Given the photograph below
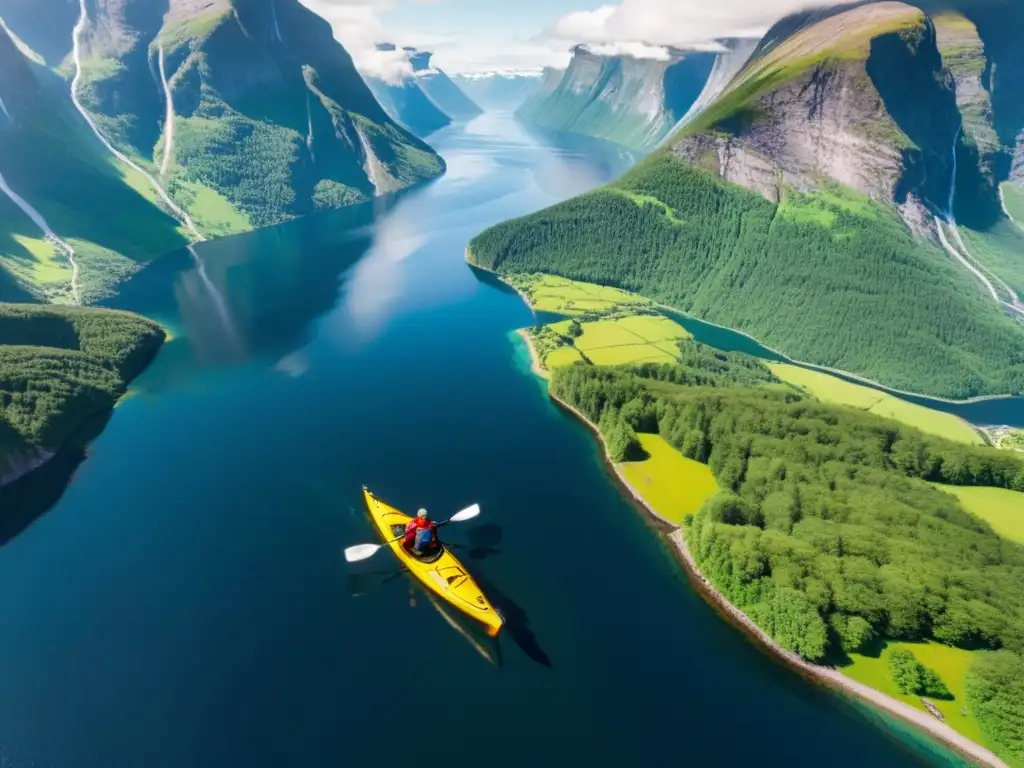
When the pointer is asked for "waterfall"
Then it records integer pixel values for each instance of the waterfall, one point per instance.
(76, 52)
(371, 162)
(48, 233)
(952, 184)
(169, 114)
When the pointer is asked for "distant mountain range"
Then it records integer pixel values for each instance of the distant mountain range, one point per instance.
(499, 90)
(191, 119)
(424, 100)
(630, 101)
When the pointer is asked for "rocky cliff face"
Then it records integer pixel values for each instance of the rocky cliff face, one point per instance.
(550, 78)
(440, 88)
(634, 102)
(859, 98)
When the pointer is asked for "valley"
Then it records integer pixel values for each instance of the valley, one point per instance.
(794, 327)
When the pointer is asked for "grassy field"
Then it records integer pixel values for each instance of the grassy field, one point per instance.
(617, 341)
(1000, 508)
(569, 297)
(831, 389)
(671, 483)
(951, 665)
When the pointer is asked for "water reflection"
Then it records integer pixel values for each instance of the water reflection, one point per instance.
(255, 296)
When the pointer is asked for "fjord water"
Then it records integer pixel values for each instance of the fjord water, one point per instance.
(186, 602)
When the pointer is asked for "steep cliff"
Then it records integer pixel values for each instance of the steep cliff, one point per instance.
(406, 103)
(448, 97)
(630, 101)
(550, 78)
(499, 90)
(244, 113)
(859, 98)
(801, 206)
(58, 241)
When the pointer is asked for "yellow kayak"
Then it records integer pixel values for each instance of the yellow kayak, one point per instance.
(443, 574)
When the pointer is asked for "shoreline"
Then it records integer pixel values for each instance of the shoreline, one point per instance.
(825, 676)
(785, 358)
(828, 677)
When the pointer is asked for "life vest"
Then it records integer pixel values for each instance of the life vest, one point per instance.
(424, 539)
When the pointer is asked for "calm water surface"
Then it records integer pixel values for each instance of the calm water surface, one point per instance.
(186, 602)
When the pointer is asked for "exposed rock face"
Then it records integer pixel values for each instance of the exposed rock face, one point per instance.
(549, 80)
(634, 102)
(873, 111)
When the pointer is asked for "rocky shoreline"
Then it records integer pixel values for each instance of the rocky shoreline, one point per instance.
(827, 676)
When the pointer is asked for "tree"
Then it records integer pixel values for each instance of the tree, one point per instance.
(905, 671)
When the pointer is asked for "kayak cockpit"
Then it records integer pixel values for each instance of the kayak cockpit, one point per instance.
(429, 557)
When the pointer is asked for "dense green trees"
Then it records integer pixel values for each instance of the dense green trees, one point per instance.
(827, 277)
(824, 532)
(995, 693)
(61, 366)
(913, 677)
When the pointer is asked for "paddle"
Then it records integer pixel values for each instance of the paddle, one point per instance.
(366, 551)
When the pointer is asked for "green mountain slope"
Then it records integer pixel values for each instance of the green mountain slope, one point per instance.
(60, 368)
(789, 208)
(245, 112)
(55, 165)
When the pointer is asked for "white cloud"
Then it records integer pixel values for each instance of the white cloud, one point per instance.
(682, 23)
(357, 27)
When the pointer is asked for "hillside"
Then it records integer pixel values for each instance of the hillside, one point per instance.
(60, 368)
(630, 101)
(498, 90)
(406, 103)
(440, 89)
(234, 113)
(60, 183)
(788, 209)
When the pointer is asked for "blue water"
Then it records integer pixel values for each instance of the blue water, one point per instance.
(185, 601)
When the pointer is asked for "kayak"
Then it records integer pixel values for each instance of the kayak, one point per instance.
(442, 574)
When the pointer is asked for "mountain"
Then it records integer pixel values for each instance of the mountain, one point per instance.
(630, 101)
(550, 77)
(58, 241)
(448, 97)
(227, 114)
(805, 205)
(406, 103)
(498, 90)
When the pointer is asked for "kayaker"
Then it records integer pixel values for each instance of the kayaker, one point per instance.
(421, 535)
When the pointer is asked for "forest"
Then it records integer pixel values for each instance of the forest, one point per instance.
(827, 277)
(59, 367)
(827, 531)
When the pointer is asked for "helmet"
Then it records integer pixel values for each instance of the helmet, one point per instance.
(422, 514)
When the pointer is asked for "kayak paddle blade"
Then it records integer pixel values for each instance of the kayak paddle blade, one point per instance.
(466, 514)
(361, 552)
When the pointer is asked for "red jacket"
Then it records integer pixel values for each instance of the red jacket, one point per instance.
(415, 524)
